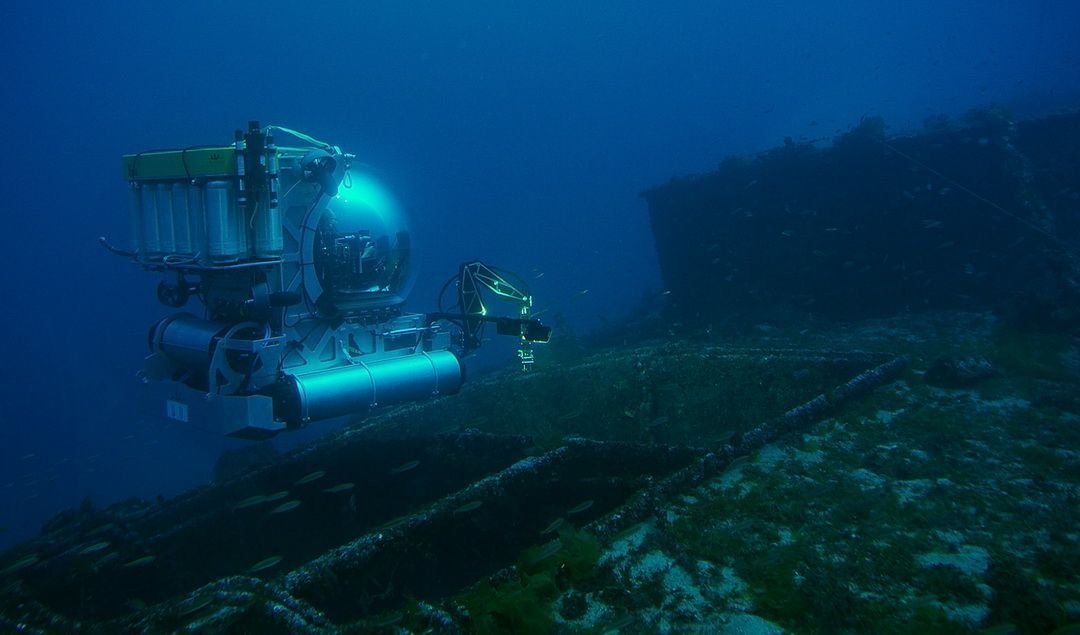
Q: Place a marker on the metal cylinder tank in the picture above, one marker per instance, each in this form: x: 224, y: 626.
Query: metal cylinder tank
x: 151, y: 237
x: 135, y: 201
x: 268, y: 233
x: 166, y: 230
x: 197, y: 222
x: 223, y: 223
x: 269, y: 242
x: 186, y: 339
x: 357, y: 388
x: 181, y: 210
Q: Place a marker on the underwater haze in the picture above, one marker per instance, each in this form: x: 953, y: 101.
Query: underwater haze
x: 521, y: 134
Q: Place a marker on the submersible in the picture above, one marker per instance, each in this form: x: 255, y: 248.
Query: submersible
x: 301, y: 264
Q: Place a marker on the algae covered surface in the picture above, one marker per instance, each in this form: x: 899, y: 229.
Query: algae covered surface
x: 918, y: 509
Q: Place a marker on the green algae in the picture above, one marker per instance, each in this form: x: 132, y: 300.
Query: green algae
x: 525, y: 603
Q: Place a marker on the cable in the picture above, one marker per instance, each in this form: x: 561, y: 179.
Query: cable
x: 303, y: 137
x: 442, y: 292
x: 977, y: 196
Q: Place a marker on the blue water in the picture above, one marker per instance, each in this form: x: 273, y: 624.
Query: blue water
x: 517, y: 133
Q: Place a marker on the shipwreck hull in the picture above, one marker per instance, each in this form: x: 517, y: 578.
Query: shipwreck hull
x: 427, y: 500
x: 978, y: 215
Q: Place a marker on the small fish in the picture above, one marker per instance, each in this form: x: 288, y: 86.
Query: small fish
x: 666, y: 292
x: 832, y: 229
x: 580, y: 507
x: 393, y: 524
x: 739, y: 462
x: 787, y: 233
x: 573, y: 414
x: 250, y: 502
x: 468, y: 507
x: 196, y: 605
x: 553, y: 527
x: 285, y: 507
x: 140, y: 562
x: 544, y: 552
x: 341, y: 487
x: 276, y: 496
x: 388, y: 620
x: 583, y: 292
x: 263, y: 565
x: 729, y: 436
x: 21, y: 564
x: 631, y: 530
x: 102, y: 528
x: 314, y: 476
x: 95, y: 548
x: 540, y: 275
x: 930, y: 223
x: 405, y: 467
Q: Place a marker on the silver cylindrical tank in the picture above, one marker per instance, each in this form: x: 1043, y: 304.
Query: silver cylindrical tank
x: 223, y: 223
x: 166, y: 230
x: 151, y: 237
x: 182, y: 234
x: 269, y: 242
x: 135, y: 201
x: 186, y: 339
x: 197, y: 221
x: 357, y: 388
x: 268, y: 235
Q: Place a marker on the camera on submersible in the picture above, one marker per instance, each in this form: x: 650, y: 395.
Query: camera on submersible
x: 301, y: 264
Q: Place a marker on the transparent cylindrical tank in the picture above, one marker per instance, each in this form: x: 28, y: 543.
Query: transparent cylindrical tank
x: 135, y: 202
x: 166, y: 230
x: 267, y: 231
x: 269, y: 241
x: 223, y: 223
x: 151, y: 237
x: 197, y: 221
x: 181, y: 210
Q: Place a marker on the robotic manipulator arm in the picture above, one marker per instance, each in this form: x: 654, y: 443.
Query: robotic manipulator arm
x: 301, y: 265
x: 472, y: 313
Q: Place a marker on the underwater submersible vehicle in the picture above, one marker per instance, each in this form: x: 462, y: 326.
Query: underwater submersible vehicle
x: 301, y: 263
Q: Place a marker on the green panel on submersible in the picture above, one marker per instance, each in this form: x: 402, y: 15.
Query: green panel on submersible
x: 181, y: 164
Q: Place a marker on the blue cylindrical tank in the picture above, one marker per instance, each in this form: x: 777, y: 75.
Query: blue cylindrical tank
x: 361, y: 386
